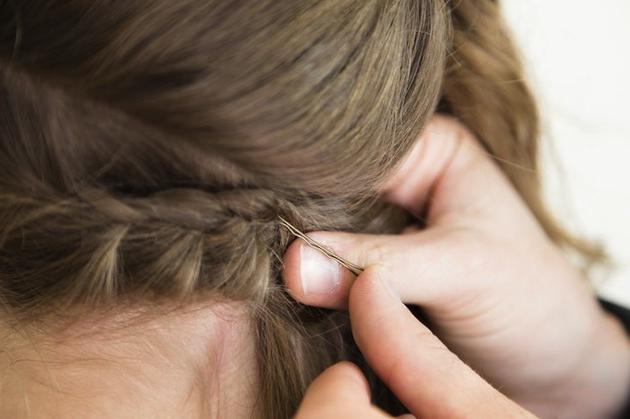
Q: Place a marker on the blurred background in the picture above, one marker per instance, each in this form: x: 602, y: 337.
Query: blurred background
x: 577, y: 55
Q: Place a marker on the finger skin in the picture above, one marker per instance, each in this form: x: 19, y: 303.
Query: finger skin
x: 408, y: 187
x: 427, y: 267
x: 411, y: 182
x: 336, y: 298
x: 429, y: 379
x: 339, y: 392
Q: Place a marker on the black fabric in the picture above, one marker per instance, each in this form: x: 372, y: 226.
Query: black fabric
x: 623, y: 314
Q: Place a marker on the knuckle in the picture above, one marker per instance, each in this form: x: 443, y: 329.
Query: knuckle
x: 375, y: 252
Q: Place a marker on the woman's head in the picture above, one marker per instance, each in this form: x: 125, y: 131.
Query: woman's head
x: 148, y: 148
x: 161, y: 140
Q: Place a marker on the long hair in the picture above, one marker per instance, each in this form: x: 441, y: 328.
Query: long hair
x: 147, y: 148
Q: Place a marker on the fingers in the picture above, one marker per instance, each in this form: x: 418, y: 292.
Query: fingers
x: 339, y: 392
x: 425, y: 268
x: 467, y: 194
x: 314, y: 279
x: 446, y: 171
x: 428, y: 379
x: 412, y: 181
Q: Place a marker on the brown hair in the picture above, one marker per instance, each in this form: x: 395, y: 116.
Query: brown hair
x: 148, y: 147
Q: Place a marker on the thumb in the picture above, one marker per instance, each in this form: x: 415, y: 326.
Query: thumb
x: 427, y: 378
x: 339, y: 392
x: 426, y: 268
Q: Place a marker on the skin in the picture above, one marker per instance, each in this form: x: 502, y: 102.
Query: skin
x: 497, y: 292
x: 194, y: 363
x: 430, y: 380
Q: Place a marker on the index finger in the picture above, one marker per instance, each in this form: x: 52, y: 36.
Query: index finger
x: 339, y: 392
x: 428, y: 379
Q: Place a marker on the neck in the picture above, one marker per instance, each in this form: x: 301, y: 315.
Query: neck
x: 193, y: 364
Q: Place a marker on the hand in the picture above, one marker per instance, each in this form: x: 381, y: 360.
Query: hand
x: 429, y: 379
x: 496, y: 290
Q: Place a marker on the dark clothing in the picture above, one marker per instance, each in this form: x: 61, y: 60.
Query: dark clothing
x: 623, y: 314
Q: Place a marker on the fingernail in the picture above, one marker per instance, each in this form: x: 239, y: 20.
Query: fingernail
x: 318, y: 274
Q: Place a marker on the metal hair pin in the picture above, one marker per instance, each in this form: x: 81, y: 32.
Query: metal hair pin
x: 352, y: 267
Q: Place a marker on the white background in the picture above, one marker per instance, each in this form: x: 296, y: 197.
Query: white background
x: 577, y: 55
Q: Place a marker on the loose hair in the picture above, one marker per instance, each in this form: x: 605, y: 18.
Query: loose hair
x: 148, y: 149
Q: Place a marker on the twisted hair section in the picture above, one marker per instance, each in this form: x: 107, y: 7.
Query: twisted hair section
x: 174, y: 242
